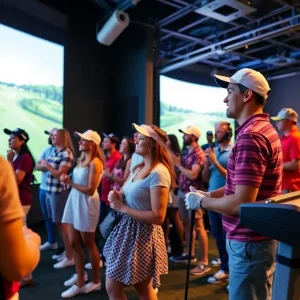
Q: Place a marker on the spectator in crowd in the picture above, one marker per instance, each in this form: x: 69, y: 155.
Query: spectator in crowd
x: 82, y: 212
x: 57, y: 164
x: 135, y: 250
x: 286, y: 121
x: 50, y: 226
x: 190, y: 166
x: 214, y: 173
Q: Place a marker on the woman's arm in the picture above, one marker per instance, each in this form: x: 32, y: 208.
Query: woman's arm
x: 159, y: 201
x: 96, y: 169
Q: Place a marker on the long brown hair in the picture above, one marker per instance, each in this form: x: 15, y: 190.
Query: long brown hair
x: 160, y: 154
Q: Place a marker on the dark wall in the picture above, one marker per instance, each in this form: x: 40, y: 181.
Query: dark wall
x: 131, y: 67
x: 87, y: 84
x: 284, y: 93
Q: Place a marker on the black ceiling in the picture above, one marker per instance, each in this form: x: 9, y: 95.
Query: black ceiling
x: 267, y: 39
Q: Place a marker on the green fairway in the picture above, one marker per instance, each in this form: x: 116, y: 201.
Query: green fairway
x: 29, y: 111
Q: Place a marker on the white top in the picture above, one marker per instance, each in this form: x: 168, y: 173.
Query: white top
x: 137, y: 193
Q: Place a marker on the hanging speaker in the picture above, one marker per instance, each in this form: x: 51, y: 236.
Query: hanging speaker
x: 115, y: 25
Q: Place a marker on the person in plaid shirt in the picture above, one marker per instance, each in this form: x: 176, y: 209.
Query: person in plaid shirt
x: 190, y: 166
x: 60, y: 162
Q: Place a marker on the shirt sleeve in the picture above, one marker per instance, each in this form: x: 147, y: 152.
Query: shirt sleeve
x: 67, y: 159
x: 294, y: 147
x: 251, y: 157
x: 199, y: 157
x: 160, y: 176
x: 25, y: 163
x: 10, y: 205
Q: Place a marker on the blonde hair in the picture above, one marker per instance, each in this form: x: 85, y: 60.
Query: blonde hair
x: 96, y: 152
x: 67, y: 140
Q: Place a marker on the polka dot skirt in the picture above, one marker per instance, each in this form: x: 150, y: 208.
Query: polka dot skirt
x: 135, y: 251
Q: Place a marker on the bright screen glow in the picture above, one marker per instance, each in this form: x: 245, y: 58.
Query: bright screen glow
x: 183, y: 104
x: 31, y: 87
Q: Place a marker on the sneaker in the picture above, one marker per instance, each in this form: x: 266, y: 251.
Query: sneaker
x: 91, y: 286
x: 73, y: 291
x: 60, y: 251
x: 200, y: 270
x: 88, y: 266
x: 61, y: 257
x: 73, y: 279
x: 65, y: 262
x: 183, y: 258
x: 227, y: 288
x: 48, y: 246
x: 216, y: 262
x: 218, y: 277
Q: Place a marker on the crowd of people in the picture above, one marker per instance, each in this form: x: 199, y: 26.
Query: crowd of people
x: 142, y: 185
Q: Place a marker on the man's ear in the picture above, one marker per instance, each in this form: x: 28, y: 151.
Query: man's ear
x: 248, y: 95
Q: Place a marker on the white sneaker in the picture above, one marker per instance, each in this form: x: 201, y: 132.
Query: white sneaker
x: 91, y: 286
x: 73, y: 279
x: 65, y: 262
x: 73, y: 291
x: 216, y: 262
x: 88, y: 266
x: 61, y: 257
x: 58, y: 256
x: 218, y: 277
x: 48, y: 246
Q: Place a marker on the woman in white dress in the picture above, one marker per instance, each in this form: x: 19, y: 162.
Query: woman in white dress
x: 82, y: 212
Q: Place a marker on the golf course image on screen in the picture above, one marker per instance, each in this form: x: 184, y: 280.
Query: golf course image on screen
x: 183, y: 104
x: 31, y: 87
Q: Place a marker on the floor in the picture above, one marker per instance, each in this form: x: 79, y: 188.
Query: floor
x: 49, y: 281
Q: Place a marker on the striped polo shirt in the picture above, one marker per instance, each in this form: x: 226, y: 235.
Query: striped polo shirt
x: 255, y: 160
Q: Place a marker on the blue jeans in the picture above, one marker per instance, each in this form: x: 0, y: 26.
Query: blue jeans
x: 251, y: 269
x: 220, y: 236
x: 50, y: 226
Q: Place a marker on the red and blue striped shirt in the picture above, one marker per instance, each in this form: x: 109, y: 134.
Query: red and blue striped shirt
x: 255, y: 160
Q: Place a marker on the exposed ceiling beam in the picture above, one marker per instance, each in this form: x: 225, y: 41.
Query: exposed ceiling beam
x: 213, y: 49
x: 170, y: 3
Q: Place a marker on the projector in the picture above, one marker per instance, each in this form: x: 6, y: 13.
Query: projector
x: 225, y: 10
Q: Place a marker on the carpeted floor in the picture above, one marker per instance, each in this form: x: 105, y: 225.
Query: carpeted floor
x: 49, y: 282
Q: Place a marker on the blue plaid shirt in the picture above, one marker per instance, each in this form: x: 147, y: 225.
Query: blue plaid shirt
x: 63, y: 157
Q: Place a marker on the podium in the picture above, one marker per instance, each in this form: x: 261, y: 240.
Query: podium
x: 279, y: 219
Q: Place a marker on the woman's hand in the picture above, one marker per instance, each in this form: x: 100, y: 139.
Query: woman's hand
x: 115, y: 199
x: 65, y: 179
x: 10, y: 155
x: 44, y: 164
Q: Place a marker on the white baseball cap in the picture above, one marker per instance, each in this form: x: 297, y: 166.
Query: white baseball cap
x: 249, y: 78
x: 90, y: 135
x: 191, y: 130
x: 286, y: 114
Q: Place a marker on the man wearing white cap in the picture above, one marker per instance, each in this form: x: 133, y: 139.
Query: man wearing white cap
x: 254, y: 173
x: 190, y: 166
x: 286, y: 121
